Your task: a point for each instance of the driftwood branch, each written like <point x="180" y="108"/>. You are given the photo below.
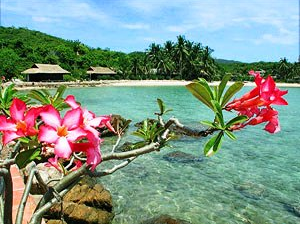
<point x="133" y="153"/>
<point x="112" y="170"/>
<point x="188" y="130"/>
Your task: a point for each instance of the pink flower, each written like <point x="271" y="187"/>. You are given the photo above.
<point x="267" y="115"/>
<point x="92" y="150"/>
<point x="61" y="132"/>
<point x="265" y="94"/>
<point x="89" y="118"/>
<point x="21" y="122"/>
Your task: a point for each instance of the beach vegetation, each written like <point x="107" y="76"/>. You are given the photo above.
<point x="181" y="59"/>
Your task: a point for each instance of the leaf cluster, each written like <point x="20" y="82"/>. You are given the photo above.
<point x="44" y="97"/>
<point x="215" y="98"/>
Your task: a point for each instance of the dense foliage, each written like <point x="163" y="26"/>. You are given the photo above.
<point x="20" y="48"/>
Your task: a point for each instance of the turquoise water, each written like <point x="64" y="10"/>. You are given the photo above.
<point x="255" y="179"/>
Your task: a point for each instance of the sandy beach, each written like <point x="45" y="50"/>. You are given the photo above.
<point x="102" y="83"/>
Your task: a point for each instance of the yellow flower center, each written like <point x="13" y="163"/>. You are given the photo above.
<point x="21" y="125"/>
<point x="62" y="131"/>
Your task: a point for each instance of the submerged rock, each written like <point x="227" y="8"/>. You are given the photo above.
<point x="251" y="190"/>
<point x="292" y="208"/>
<point x="116" y="121"/>
<point x="86" y="202"/>
<point x="164" y="219"/>
<point x="182" y="157"/>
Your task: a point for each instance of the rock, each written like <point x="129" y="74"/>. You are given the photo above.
<point x="86" y="202"/>
<point x="116" y="121"/>
<point x="164" y="219"/>
<point x="47" y="173"/>
<point x="182" y="157"/>
<point x="251" y="190"/>
<point x="292" y="208"/>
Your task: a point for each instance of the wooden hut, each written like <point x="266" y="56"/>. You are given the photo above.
<point x="45" y="72"/>
<point x="98" y="72"/>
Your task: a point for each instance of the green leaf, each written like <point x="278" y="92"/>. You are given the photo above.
<point x="206" y="85"/>
<point x="168" y="110"/>
<point x="236" y="120"/>
<point x="230" y="135"/>
<point x="39" y="96"/>
<point x="209" y="145"/>
<point x="218" y="112"/>
<point x="201" y="93"/>
<point x="222" y="85"/>
<point x="210" y="124"/>
<point x="213" y="145"/>
<point x="234" y="88"/>
<point x="25" y="157"/>
<point x="161" y="106"/>
<point x="60" y="92"/>
<point x="218" y="142"/>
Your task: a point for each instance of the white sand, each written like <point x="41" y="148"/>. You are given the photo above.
<point x="38" y="85"/>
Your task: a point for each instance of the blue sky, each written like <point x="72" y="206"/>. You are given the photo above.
<point x="244" y="30"/>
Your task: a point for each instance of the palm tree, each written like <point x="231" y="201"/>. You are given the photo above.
<point x="208" y="67"/>
<point x="181" y="54"/>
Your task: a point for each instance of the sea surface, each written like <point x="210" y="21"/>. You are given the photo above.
<point x="255" y="179"/>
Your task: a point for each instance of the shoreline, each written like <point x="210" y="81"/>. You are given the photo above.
<point x="122" y="83"/>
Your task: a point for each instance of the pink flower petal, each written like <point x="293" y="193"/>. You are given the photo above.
<point x="73" y="118"/>
<point x="17" y="109"/>
<point x="47" y="134"/>
<point x="31" y="116"/>
<point x="7" y="124"/>
<point x="9" y="136"/>
<point x="51" y="116"/>
<point x="272" y="127"/>
<point x="70" y="100"/>
<point x="75" y="134"/>
<point x="62" y="148"/>
<point x="54" y="162"/>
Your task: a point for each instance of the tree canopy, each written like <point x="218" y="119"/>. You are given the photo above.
<point x="20" y="48"/>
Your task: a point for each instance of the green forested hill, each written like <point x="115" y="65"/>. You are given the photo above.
<point x="20" y="48"/>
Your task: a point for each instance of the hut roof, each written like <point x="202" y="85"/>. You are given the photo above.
<point x="100" y="70"/>
<point x="45" y="68"/>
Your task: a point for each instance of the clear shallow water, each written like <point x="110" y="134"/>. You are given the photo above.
<point x="255" y="179"/>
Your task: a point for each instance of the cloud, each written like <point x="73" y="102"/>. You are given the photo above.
<point x="47" y="11"/>
<point x="43" y="19"/>
<point x="284" y="37"/>
<point x="136" y="26"/>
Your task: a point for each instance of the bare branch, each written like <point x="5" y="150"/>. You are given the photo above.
<point x="117" y="143"/>
<point x="160" y="120"/>
<point x="25" y="195"/>
<point x="188" y="130"/>
<point x="8" y="194"/>
<point x="112" y="170"/>
<point x="133" y="153"/>
<point x="38" y="214"/>
<point x="41" y="181"/>
<point x="64" y="183"/>
<point x="15" y="150"/>
<point x="7" y="162"/>
<point x="70" y="163"/>
<point x="77" y="156"/>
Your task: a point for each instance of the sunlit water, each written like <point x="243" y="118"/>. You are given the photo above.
<point x="255" y="179"/>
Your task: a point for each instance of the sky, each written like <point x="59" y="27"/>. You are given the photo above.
<point x="243" y="30"/>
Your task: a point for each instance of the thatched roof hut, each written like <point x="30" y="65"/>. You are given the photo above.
<point x="45" y="72"/>
<point x="96" y="72"/>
